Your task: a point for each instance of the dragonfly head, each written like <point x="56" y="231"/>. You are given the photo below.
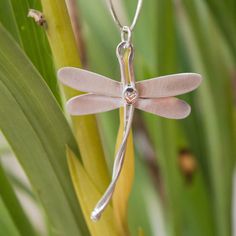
<point x="130" y="94"/>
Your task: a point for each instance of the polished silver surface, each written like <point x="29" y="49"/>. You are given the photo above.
<point x="92" y="103"/>
<point x="129" y="98"/>
<point x="154" y="96"/>
<point x="117" y="167"/>
<point x="87" y="81"/>
<point x="170" y="107"/>
<point x="169" y="85"/>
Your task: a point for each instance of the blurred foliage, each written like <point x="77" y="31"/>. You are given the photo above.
<point x="184" y="169"/>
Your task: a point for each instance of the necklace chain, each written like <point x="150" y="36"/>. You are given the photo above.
<point x="116" y="19"/>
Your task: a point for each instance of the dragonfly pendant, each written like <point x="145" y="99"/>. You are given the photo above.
<point x="155" y="96"/>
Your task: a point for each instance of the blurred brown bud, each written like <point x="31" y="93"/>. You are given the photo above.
<point x="188" y="164"/>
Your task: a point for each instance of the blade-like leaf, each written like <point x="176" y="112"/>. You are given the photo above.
<point x="30" y="36"/>
<point x="8" y="19"/>
<point x="65" y="53"/>
<point x="87" y="81"/>
<point x="7" y="226"/>
<point x="88" y="196"/>
<point x="100" y="44"/>
<point x="217" y="115"/>
<point x="37" y="131"/>
<point x="169" y="85"/>
<point x="102" y="59"/>
<point x="171" y="107"/>
<point x="225" y="17"/>
<point x="164" y="133"/>
<point x="91" y="104"/>
<point x="14" y="207"/>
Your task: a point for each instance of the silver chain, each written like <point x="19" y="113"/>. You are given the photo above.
<point x="136" y="15"/>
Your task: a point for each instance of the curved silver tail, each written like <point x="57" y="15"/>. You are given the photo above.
<point x="119" y="160"/>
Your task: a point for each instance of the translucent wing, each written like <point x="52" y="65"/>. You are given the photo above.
<point x="87" y="81"/>
<point x="91" y="103"/>
<point x="170" y="107"/>
<point x="170" y="85"/>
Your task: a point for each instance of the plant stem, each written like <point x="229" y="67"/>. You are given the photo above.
<point x="65" y="53"/>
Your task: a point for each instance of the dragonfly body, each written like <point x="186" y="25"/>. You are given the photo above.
<point x="103" y="94"/>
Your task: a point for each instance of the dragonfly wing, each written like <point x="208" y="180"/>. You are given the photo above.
<point x="169" y="107"/>
<point x="91" y="103"/>
<point x="169" y="85"/>
<point x="87" y="81"/>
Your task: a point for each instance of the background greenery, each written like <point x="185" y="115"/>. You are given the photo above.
<point x="183" y="169"/>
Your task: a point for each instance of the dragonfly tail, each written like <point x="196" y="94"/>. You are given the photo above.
<point x="118" y="163"/>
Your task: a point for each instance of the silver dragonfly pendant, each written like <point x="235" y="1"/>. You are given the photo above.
<point x="155" y="96"/>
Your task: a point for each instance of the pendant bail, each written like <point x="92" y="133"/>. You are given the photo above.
<point x="126" y="35"/>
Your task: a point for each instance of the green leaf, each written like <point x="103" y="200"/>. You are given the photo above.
<point x="7" y="226"/>
<point x="30" y="36"/>
<point x="215" y="105"/>
<point x="100" y="49"/>
<point x="20" y="185"/>
<point x="65" y="53"/>
<point x="100" y="44"/>
<point x="14" y="207"/>
<point x="37" y="131"/>
<point x="167" y="135"/>
<point x="8" y="20"/>
<point x="224" y="14"/>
